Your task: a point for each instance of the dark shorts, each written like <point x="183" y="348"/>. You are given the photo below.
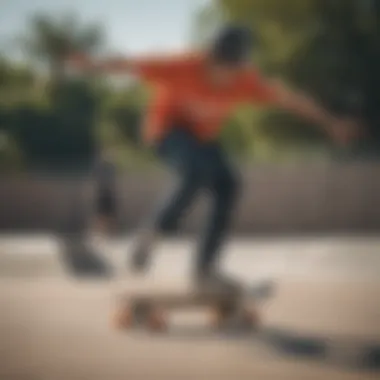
<point x="204" y="162"/>
<point x="106" y="204"/>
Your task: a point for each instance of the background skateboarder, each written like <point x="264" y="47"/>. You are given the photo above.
<point x="104" y="178"/>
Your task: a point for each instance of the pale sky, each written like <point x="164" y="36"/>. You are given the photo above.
<point x="132" y="26"/>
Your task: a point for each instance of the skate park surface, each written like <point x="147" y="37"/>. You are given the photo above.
<point x="322" y="323"/>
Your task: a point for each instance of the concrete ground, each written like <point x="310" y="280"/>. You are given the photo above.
<point x="323" y="323"/>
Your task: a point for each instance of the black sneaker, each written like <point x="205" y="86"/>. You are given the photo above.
<point x="140" y="260"/>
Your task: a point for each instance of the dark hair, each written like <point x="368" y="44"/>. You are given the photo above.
<point x="233" y="45"/>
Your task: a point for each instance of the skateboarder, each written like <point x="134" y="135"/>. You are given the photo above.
<point x="194" y="94"/>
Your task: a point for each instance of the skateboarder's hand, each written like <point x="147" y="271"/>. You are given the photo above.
<point x="345" y="131"/>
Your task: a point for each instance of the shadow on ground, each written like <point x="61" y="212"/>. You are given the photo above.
<point x="344" y="352"/>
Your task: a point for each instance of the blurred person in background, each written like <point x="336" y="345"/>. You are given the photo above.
<point x="84" y="253"/>
<point x="193" y="95"/>
<point x="104" y="176"/>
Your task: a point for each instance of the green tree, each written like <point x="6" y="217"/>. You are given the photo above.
<point x="12" y="75"/>
<point x="206" y="23"/>
<point x="11" y="158"/>
<point x="50" y="40"/>
<point x="328" y="48"/>
<point x="124" y="109"/>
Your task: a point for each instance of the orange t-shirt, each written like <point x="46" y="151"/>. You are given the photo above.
<point x="183" y="96"/>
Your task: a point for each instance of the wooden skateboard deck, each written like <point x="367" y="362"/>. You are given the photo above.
<point x="148" y="308"/>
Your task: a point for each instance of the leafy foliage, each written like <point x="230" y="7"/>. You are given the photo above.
<point x="330" y="49"/>
<point x="50" y="40"/>
<point x="327" y="48"/>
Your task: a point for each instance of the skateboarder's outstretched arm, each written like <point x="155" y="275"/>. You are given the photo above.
<point x="150" y="68"/>
<point x="251" y="86"/>
<point x="341" y="130"/>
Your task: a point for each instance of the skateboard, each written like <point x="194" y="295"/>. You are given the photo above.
<point x="149" y="309"/>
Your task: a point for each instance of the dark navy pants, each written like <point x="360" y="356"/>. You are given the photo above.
<point x="198" y="167"/>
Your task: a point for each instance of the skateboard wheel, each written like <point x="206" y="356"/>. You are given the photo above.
<point x="222" y="314"/>
<point x="245" y="318"/>
<point x="122" y="319"/>
<point x="156" y="320"/>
